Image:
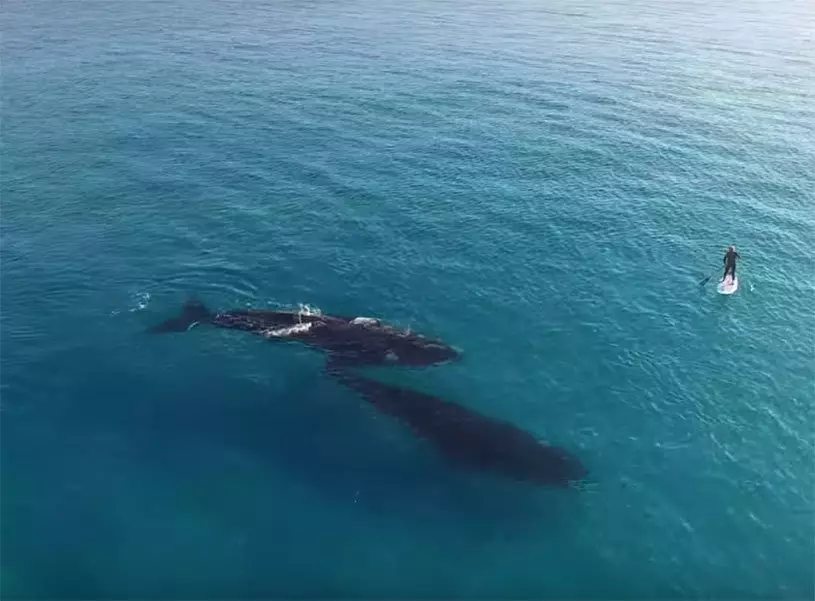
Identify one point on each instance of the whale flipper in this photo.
(191, 313)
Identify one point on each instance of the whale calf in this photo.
(348, 340)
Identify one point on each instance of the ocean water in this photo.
(542, 184)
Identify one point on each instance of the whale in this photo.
(348, 341)
(466, 438)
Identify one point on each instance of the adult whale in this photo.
(467, 438)
(348, 340)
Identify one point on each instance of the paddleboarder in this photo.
(730, 256)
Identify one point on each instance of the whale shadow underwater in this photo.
(462, 436)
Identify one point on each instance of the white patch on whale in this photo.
(365, 321)
(300, 328)
(307, 311)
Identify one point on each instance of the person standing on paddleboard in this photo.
(730, 256)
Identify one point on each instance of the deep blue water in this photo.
(540, 183)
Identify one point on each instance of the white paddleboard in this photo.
(729, 286)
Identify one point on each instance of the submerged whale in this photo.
(348, 340)
(468, 438)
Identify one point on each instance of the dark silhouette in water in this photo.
(468, 438)
(348, 340)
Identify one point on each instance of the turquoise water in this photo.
(541, 184)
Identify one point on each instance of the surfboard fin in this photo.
(191, 313)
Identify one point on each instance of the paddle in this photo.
(707, 279)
